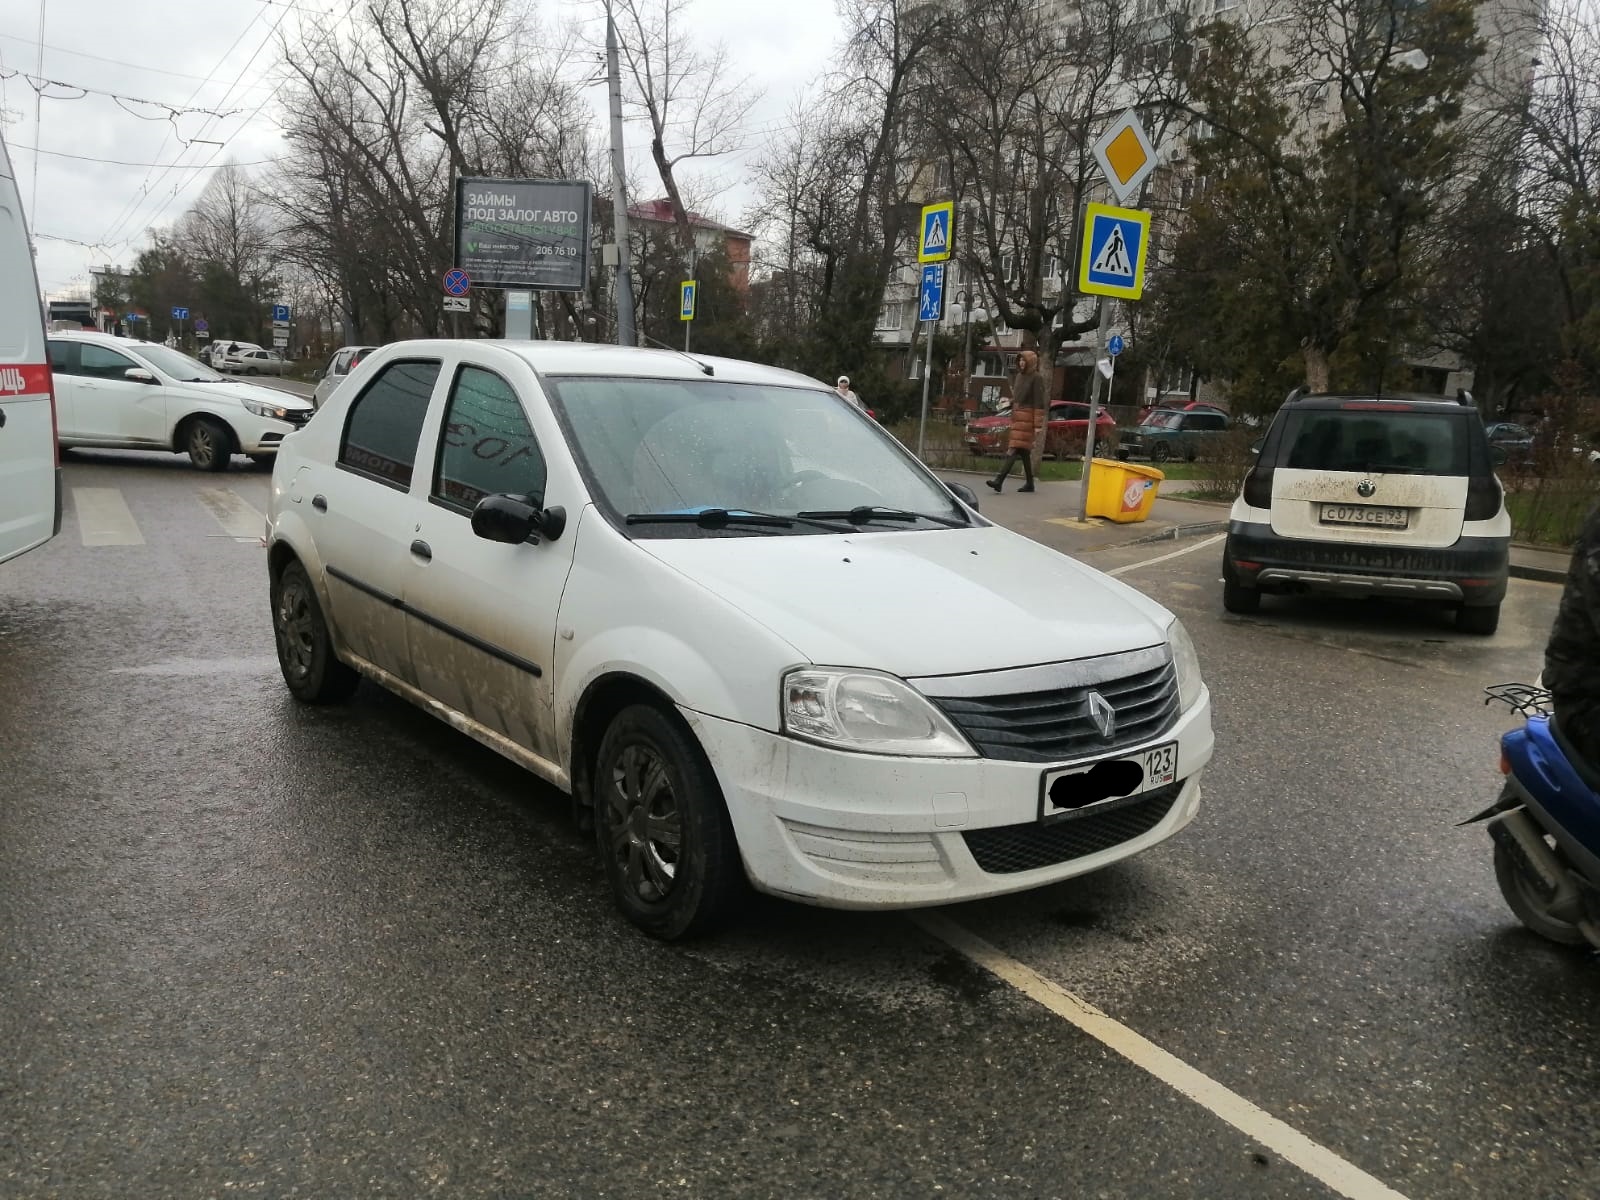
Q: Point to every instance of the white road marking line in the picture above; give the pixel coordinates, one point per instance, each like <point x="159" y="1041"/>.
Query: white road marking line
<point x="1161" y="558"/>
<point x="1288" y="1143"/>
<point x="238" y="518"/>
<point x="104" y="519"/>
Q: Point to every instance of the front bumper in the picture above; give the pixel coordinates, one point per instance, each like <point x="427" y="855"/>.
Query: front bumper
<point x="263" y="435"/>
<point x="847" y="830"/>
<point x="1473" y="571"/>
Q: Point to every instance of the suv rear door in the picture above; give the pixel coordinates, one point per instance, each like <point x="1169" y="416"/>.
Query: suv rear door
<point x="1374" y="473"/>
<point x="30" y="476"/>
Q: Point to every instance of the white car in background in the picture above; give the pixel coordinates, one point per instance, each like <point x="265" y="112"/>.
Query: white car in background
<point x="340" y="365"/>
<point x="254" y="361"/>
<point x="116" y="393"/>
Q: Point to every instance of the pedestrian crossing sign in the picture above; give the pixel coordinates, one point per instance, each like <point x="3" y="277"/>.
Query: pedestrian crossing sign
<point x="688" y="296"/>
<point x="1111" y="259"/>
<point x="935" y="242"/>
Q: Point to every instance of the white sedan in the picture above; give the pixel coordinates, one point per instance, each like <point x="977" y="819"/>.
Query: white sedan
<point x="251" y="362"/>
<point x="695" y="594"/>
<point x="117" y="393"/>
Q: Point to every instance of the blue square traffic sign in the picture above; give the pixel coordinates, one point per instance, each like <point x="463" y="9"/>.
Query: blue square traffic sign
<point x="1113" y="252"/>
<point x="934" y="239"/>
<point x="280" y="312"/>
<point x="930" y="296"/>
<point x="180" y="314"/>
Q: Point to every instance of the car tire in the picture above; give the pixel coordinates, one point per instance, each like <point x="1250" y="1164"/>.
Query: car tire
<point x="1190" y="455"/>
<point x="653" y="784"/>
<point x="209" y="443"/>
<point x="1160" y="452"/>
<point x="1482" y="619"/>
<point x="1522" y="897"/>
<point x="310" y="668"/>
<point x="1122" y="456"/>
<point x="1238" y="598"/>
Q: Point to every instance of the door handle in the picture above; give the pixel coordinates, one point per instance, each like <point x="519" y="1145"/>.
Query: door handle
<point x="319" y="502"/>
<point x="422" y="550"/>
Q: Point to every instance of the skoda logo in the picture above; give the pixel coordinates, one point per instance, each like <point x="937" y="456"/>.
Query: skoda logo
<point x="1365" y="488"/>
<point x="1103" y="716"/>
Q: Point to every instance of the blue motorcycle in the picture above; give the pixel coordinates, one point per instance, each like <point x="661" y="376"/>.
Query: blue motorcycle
<point x="1546" y="824"/>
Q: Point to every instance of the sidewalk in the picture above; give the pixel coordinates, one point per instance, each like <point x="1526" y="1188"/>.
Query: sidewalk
<point x="1049" y="515"/>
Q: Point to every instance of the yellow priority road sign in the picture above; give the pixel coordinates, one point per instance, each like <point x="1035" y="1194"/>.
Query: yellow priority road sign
<point x="1111" y="259"/>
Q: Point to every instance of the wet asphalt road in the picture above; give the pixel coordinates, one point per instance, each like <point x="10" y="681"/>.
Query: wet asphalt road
<point x="252" y="948"/>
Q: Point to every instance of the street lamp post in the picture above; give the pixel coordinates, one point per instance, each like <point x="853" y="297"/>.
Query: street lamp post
<point x="966" y="333"/>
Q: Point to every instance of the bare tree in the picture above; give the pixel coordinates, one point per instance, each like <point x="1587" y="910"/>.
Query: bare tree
<point x="694" y="103"/>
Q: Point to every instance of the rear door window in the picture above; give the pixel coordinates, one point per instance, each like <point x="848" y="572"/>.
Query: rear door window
<point x="384" y="427"/>
<point x="1407" y="443"/>
<point x="63" y="360"/>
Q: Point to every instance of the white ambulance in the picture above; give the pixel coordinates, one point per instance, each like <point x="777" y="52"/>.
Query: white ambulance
<point x="30" y="468"/>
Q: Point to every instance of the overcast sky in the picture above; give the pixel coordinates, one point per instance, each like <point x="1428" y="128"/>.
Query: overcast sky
<point x="222" y="55"/>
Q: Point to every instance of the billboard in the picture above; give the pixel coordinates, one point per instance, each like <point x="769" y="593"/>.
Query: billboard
<point x="523" y="234"/>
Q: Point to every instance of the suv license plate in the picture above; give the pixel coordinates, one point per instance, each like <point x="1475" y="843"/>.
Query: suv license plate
<point x="1065" y="792"/>
<point x="1365" y="514"/>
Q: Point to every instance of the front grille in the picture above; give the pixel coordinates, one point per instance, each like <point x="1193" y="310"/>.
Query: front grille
<point x="298" y="416"/>
<point x="1008" y="849"/>
<point x="1054" y="725"/>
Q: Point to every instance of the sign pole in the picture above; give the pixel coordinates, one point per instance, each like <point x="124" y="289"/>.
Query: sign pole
<point x="619" y="197"/>
<point x="927" y="378"/>
<point x="1094" y="413"/>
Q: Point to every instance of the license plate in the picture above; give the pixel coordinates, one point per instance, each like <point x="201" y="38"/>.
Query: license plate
<point x="1066" y="792"/>
<point x="1365" y="514"/>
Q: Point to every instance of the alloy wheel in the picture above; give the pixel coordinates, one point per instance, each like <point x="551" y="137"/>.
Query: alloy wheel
<point x="645" y="825"/>
<point x="295" y="629"/>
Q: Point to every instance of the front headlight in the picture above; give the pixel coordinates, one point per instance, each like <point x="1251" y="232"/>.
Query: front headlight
<point x="1186" y="663"/>
<point x="266" y="410"/>
<point x="866" y="712"/>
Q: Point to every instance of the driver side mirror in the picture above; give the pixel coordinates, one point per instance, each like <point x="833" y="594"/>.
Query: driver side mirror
<point x="1498" y="455"/>
<point x="515" y="519"/>
<point x="1255" y="446"/>
<point x="965" y="494"/>
<point x="138" y="375"/>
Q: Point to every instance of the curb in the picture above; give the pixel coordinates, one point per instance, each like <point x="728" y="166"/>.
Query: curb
<point x="1541" y="574"/>
<point x="1174" y="532"/>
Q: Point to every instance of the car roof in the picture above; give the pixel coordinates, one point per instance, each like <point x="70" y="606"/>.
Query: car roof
<point x="1374" y="402"/>
<point x="600" y="359"/>
<point x="91" y="335"/>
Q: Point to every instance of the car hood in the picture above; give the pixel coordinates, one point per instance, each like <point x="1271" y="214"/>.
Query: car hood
<point x="228" y="390"/>
<point x="918" y="603"/>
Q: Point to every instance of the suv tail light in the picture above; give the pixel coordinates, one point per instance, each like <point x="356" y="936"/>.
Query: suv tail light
<point x="1258" y="487"/>
<point x="1483" y="498"/>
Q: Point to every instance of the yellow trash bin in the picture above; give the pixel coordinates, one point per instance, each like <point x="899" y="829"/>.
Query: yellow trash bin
<point x="1122" y="491"/>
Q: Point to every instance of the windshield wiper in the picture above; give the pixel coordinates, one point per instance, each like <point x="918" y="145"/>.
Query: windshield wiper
<point x="863" y="513"/>
<point x="721" y="518"/>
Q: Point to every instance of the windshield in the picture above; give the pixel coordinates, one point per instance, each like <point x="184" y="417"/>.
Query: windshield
<point x="1164" y="419"/>
<point x="178" y="366"/>
<point x="1399" y="442"/>
<point x="659" y="446"/>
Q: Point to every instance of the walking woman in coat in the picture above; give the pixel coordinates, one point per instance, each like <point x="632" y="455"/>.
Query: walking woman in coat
<point x="1027" y="418"/>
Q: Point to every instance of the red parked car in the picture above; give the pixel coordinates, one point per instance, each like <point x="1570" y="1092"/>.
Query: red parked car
<point x="1069" y="423"/>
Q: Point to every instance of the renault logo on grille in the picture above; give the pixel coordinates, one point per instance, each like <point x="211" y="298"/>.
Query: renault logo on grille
<point x="1103" y="716"/>
<point x="1365" y="488"/>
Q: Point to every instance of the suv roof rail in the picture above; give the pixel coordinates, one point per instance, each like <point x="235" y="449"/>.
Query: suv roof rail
<point x="1295" y="395"/>
<point x="1463" y="396"/>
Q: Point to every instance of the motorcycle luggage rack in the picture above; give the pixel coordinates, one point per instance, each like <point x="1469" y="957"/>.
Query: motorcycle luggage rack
<point x="1521" y="698"/>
